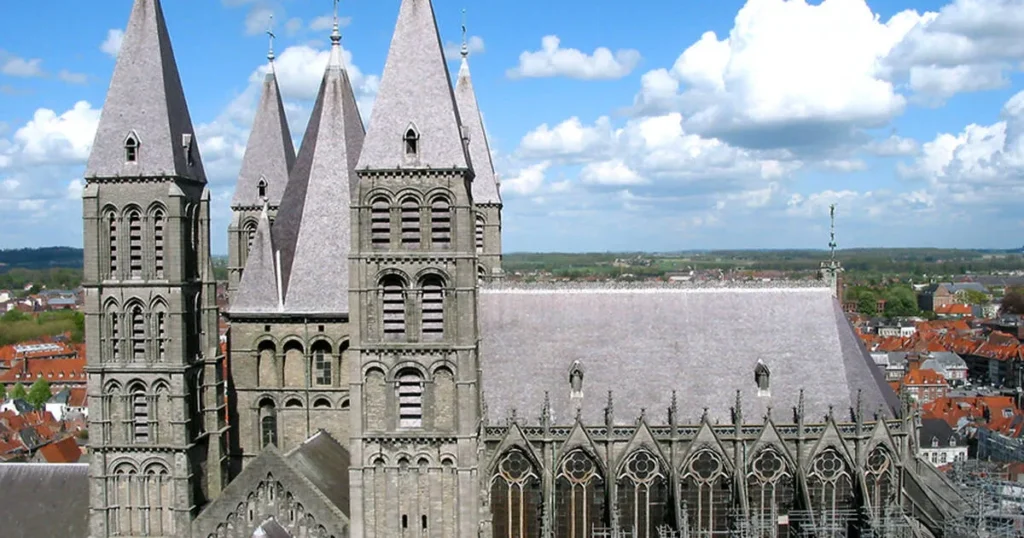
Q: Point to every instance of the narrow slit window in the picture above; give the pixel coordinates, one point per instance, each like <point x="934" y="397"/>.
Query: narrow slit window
<point x="135" y="244"/>
<point x="479" y="234"/>
<point x="140" y="416"/>
<point x="441" y="223"/>
<point x="380" y="223"/>
<point x="411" y="142"/>
<point x="131" y="149"/>
<point x="433" y="308"/>
<point x="161" y="334"/>
<point x="410" y="400"/>
<point x="138" y="334"/>
<point x="393" y="305"/>
<point x="158" y="244"/>
<point x="112" y="228"/>
<point x="261" y="189"/>
<point x="410" y="223"/>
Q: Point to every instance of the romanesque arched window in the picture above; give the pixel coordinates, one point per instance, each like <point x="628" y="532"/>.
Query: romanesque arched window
<point x="480" y="226"/>
<point x="643" y="496"/>
<point x="393" y="307"/>
<point x="410" y="210"/>
<point x="112" y="244"/>
<point x="250" y="236"/>
<point x="160" y="337"/>
<point x="880" y="479"/>
<point x="140" y="414"/>
<point x="706" y="498"/>
<point x="515" y="497"/>
<point x="579" y="496"/>
<point x="432" y="292"/>
<point x="770" y="492"/>
<point x="410" y="399"/>
<point x="113" y="330"/>
<point x="830" y="488"/>
<point x="113" y="412"/>
<point x="268" y="423"/>
<point x="158" y="519"/>
<point x="441" y="223"/>
<point x="123" y="498"/>
<point x="266" y="364"/>
<point x="134" y="244"/>
<point x="137" y="321"/>
<point x="323" y="364"/>
<point x="294" y="364"/>
<point x="157" y="224"/>
<point x="380" y="223"/>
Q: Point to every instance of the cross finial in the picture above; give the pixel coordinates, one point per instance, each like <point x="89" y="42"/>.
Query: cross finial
<point x="270" y="33"/>
<point x="335" y="32"/>
<point x="832" y="230"/>
<point x="465" y="43"/>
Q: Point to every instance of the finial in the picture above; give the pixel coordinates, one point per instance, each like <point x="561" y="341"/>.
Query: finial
<point x="270" y="33"/>
<point x="832" y="231"/>
<point x="704" y="416"/>
<point x="545" y="414"/>
<point x="335" y="59"/>
<point x="465" y="43"/>
<point x="768" y="413"/>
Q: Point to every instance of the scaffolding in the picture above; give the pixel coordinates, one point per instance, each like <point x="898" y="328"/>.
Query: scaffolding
<point x="994" y="507"/>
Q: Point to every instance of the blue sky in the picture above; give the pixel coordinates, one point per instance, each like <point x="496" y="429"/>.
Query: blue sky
<point x="665" y="126"/>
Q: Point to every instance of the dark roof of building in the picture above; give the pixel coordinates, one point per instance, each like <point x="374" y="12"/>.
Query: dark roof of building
<point x="415" y="91"/>
<point x="145" y="100"/>
<point x="938" y="430"/>
<point x="313" y="223"/>
<point x="485" y="182"/>
<point x="644" y="342"/>
<point x="324" y="462"/>
<point x="271" y="529"/>
<point x="269" y="153"/>
<point x="258" y="289"/>
<point x="42" y="499"/>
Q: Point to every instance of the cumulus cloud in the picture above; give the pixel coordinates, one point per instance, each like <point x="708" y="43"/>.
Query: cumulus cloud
<point x="326" y="22"/>
<point x="112" y="44"/>
<point x="72" y="78"/>
<point x="474" y="45"/>
<point x="528" y="181"/>
<point x="893" y="146"/>
<point x="553" y="61"/>
<point x="16" y="66"/>
<point x="52" y="138"/>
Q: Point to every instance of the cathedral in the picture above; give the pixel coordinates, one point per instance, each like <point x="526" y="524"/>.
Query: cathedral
<point x="381" y="379"/>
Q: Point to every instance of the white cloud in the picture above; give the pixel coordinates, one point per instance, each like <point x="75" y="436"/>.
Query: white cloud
<point x="610" y="173"/>
<point x="893" y="146"/>
<point x="553" y="61"/>
<point x="16" y="66"/>
<point x="293" y="26"/>
<point x="72" y="78"/>
<point x="258" y="20"/>
<point x="474" y="46"/>
<point x="326" y="22"/>
<point x="936" y="84"/>
<point x="51" y="138"/>
<point x="528" y="181"/>
<point x="569" y="140"/>
<point x="112" y="44"/>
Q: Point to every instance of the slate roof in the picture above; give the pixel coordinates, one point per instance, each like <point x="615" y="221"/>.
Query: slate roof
<point x="269" y="153"/>
<point x="324" y="462"/>
<point x="415" y="90"/>
<point x="258" y="290"/>
<point x="145" y="97"/>
<point x="41" y="499"/>
<point x="313" y="230"/>
<point x="936" y="428"/>
<point x="485" y="184"/>
<point x="645" y="342"/>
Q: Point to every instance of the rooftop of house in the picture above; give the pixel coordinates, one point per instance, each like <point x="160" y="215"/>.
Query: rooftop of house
<point x="937" y="433"/>
<point x="923" y="377"/>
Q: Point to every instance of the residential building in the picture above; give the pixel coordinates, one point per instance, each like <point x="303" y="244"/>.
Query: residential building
<point x="939" y="444"/>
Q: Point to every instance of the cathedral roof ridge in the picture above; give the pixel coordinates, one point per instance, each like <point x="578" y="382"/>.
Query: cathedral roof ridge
<point x="647" y="286"/>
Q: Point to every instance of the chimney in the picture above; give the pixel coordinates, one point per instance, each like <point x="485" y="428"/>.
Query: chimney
<point x="913" y="362"/>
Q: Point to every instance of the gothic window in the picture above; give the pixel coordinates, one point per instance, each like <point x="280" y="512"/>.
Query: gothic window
<point x="158" y="244"/>
<point x="410" y="210"/>
<point x="160" y="411"/>
<point x="112" y="240"/>
<point x="322" y="364"/>
<point x="112" y="410"/>
<point x="579" y="496"/>
<point x="114" y="332"/>
<point x="770" y="493"/>
<point x="131" y="148"/>
<point x="261" y="189"/>
<point x="268" y="423"/>
<point x="515" y="497"/>
<point x="156" y="501"/>
<point x="412" y="140"/>
<point x="432" y="289"/>
<point x="831" y="491"/>
<point x="161" y="335"/>
<point x="479" y="234"/>
<point x="706" y="498"/>
<point x="441" y="222"/>
<point x="393" y="307"/>
<point x="643" y="498"/>
<point x="250" y="236"/>
<point x="410" y="399"/>
<point x="879" y="477"/>
<point x="761" y="377"/>
<point x="134" y="244"/>
<point x="140" y="415"/>
<point x="380" y="223"/>
<point x="137" y="319"/>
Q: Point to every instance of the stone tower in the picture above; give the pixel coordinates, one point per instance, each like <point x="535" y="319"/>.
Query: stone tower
<point x="269" y="156"/>
<point x="415" y="378"/>
<point x="486" y="194"/>
<point x="156" y="398"/>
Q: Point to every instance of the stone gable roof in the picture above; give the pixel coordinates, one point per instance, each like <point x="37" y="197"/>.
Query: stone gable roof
<point x="49" y="499"/>
<point x="269" y="153"/>
<point x="324" y="462"/>
<point x="485" y="184"/>
<point x="145" y="100"/>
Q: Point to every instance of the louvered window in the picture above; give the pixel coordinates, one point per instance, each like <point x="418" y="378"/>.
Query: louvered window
<point x="479" y="235"/>
<point x="138" y="334"/>
<point x="112" y="227"/>
<point x="380" y="223"/>
<point x="140" y="416"/>
<point x="410" y="400"/>
<point x="161" y="335"/>
<point x="433" y="308"/>
<point x="393" y="308"/>
<point x="441" y="223"/>
<point x="250" y="236"/>
<point x="135" y="245"/>
<point x="115" y="336"/>
<point x="410" y="223"/>
<point x="158" y="244"/>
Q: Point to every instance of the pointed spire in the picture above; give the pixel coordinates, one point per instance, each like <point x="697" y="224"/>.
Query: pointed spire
<point x="269" y="153"/>
<point x="485" y="184"/>
<point x="832" y="232"/>
<point x="313" y="223"/>
<point x="145" y="108"/>
<point x="258" y="291"/>
<point x="335" y="60"/>
<point x="415" y="95"/>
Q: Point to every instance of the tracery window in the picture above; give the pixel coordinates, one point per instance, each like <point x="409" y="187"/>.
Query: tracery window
<point x="579" y="496"/>
<point x="830" y="486"/>
<point x="770" y="494"/>
<point x="643" y="497"/>
<point x="706" y="498"/>
<point x="515" y="497"/>
<point x="879" y="478"/>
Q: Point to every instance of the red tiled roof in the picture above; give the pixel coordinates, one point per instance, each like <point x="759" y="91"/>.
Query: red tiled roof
<point x="64" y="451"/>
<point x="953" y="309"/>
<point x="926" y="376"/>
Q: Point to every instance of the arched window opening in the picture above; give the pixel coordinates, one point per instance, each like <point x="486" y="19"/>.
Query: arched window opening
<point x="293" y="403"/>
<point x="515" y="497"/>
<point x="412" y="140"/>
<point x="380" y="223"/>
<point x="131" y="148"/>
<point x="268" y="423"/>
<point x="134" y="244"/>
<point x="322" y="403"/>
<point x="393" y="307"/>
<point x="266" y="371"/>
<point x="261" y="189"/>
<point x="112" y="239"/>
<point x="410" y="209"/>
<point x="830" y="488"/>
<point x="481" y="274"/>
<point x="158" y="244"/>
<point x="441" y="223"/>
<point x="706" y="498"/>
<point x="138" y="322"/>
<point x="295" y="360"/>
<point x="161" y="335"/>
<point x="140" y="415"/>
<point x="881" y="486"/>
<point x="432" y="288"/>
<point x="770" y="493"/>
<point x="410" y="400"/>
<point x="643" y="496"/>
<point x="479" y="234"/>
<point x="762" y="378"/>
<point x="323" y="371"/>
<point x="250" y="236"/>
<point x="579" y="496"/>
<point x="114" y="332"/>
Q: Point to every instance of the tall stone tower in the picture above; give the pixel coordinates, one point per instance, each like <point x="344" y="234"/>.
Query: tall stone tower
<point x="156" y="395"/>
<point x="269" y="156"/>
<point x="415" y="377"/>
<point x="486" y="193"/>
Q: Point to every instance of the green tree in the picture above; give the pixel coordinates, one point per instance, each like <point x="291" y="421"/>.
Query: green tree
<point x="3" y="393"/>
<point x="18" y="392"/>
<point x="1013" y="302"/>
<point x="975" y="297"/>
<point x="14" y="316"/>
<point x="39" y="393"/>
<point x="900" y="301"/>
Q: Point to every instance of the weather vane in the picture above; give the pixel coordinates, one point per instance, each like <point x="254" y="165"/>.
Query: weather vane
<point x="832" y="230"/>
<point x="465" y="44"/>
<point x="270" y="32"/>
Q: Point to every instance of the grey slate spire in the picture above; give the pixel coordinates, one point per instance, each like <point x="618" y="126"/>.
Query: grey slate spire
<point x="313" y="229"/>
<point x="485" y="184"/>
<point x="259" y="290"/>
<point x="415" y="92"/>
<point x="145" y="101"/>
<point x="269" y="154"/>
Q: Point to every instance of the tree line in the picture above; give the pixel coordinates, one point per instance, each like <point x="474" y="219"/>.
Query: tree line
<point x="17" y="327"/>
